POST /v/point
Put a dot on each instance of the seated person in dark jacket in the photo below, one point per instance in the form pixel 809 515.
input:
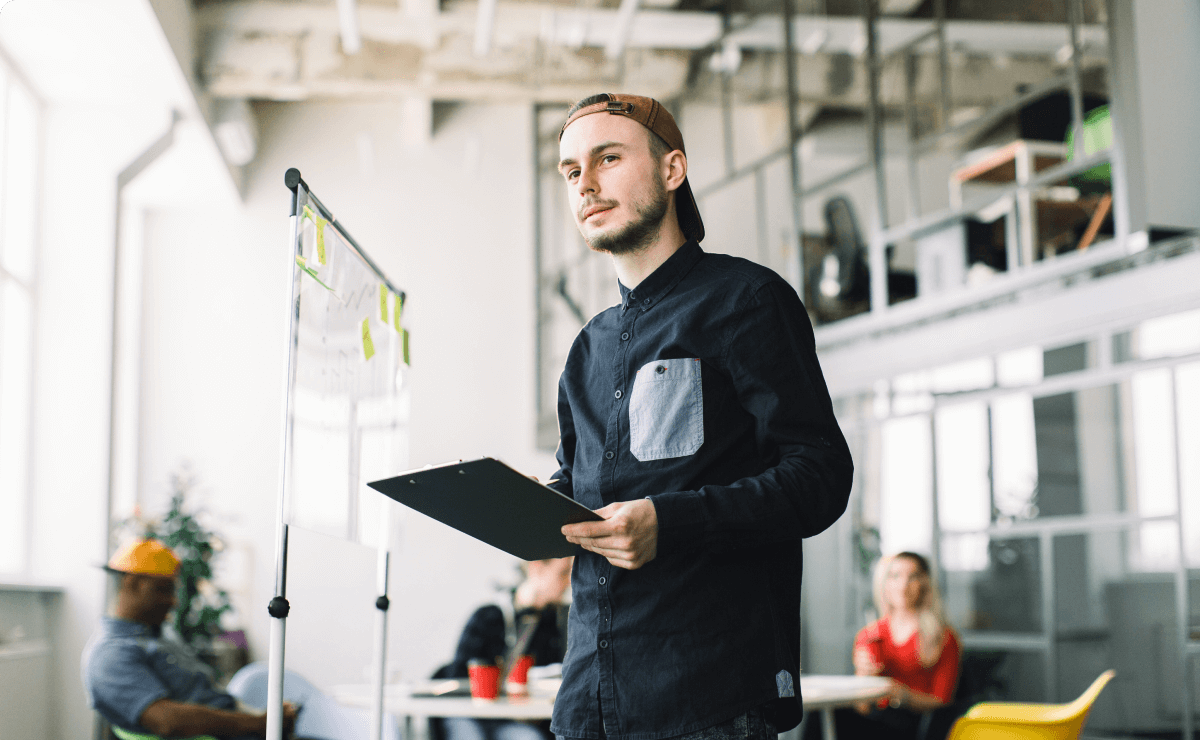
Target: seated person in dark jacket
pixel 540 618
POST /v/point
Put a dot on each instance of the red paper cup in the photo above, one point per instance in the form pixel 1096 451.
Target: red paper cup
pixel 485 680
pixel 518 677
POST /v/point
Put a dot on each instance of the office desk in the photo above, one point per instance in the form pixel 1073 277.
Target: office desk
pixel 821 693
pixel 826 693
pixel 414 711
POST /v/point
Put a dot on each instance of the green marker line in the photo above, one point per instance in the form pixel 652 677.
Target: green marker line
pixel 404 346
pixel 368 345
pixel 383 294
pixel 399 309
pixel 313 274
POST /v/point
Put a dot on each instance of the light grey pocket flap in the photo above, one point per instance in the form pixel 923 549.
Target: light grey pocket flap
pixel 666 410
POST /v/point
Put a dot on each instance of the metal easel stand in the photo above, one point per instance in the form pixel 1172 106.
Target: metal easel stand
pixel 381 624
pixel 278 607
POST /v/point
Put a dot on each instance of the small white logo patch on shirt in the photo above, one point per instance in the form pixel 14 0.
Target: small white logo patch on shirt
pixel 783 681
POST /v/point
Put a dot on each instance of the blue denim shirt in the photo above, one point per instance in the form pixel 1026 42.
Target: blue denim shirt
pixel 702 392
pixel 127 666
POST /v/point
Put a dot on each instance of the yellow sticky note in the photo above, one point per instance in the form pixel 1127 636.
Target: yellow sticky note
pixel 368 345
pixel 397 310
pixel 320 224
pixel 383 294
pixel 404 345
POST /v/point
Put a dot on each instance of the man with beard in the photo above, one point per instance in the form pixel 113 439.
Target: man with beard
pixel 695 420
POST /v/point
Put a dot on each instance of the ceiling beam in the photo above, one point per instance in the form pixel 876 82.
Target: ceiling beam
pixel 551 53
pixel 348 23
pixel 620 33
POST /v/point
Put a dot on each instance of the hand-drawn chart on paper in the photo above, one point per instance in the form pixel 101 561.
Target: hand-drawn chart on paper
pixel 349 404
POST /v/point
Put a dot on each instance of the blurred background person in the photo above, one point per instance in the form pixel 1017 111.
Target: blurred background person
pixel 144 682
pixel 539 621
pixel 910 643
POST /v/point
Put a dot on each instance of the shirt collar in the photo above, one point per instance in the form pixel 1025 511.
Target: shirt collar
pixel 125 628
pixel 663 278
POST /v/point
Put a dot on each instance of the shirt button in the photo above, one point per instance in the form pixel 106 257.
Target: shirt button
pixel 603 580
pixel 603 644
pixel 609 455
pixel 624 336
pixel 618 394
pixel 646 302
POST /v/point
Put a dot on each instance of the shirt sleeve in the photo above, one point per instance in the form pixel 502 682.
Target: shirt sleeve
pixel 870 639
pixel 945 671
pixel 565 455
pixel 122 684
pixel 772 363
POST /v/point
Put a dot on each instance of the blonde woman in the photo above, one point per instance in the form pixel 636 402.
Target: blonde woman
pixel 911 644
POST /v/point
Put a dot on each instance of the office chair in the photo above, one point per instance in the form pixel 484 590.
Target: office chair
pixel 1016 721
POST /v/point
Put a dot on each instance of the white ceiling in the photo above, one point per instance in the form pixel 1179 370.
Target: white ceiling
pixel 92 51
pixel 110 54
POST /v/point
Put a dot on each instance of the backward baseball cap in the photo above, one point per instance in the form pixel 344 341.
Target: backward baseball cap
pixel 651 114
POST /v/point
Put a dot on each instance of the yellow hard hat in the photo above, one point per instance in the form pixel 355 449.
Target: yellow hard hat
pixel 144 557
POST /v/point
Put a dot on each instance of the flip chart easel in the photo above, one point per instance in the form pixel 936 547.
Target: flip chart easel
pixel 346 361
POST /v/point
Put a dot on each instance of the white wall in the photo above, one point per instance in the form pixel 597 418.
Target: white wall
pixel 74 324
pixel 451 224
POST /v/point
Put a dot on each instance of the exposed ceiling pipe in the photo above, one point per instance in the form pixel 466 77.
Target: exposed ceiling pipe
pixel 485 19
pixel 348 22
pixel 624 24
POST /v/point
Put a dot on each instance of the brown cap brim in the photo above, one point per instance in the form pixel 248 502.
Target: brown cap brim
pixel 688 213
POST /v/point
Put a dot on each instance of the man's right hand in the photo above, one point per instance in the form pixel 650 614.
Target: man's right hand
pixel 290 711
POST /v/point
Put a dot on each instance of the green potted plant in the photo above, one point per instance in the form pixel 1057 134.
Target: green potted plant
pixel 200 602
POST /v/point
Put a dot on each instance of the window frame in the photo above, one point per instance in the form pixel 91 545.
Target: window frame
pixel 13 76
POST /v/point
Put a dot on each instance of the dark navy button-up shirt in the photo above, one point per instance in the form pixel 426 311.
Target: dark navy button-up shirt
pixel 702 392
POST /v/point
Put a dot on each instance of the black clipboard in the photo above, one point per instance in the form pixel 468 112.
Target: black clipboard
pixel 493 503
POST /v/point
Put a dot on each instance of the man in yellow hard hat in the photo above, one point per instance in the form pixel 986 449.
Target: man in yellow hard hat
pixel 143 683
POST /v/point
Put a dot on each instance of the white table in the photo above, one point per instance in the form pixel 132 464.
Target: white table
pixel 826 693
pixel 821 693
pixel 416 710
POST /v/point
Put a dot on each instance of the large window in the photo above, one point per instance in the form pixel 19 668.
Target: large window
pixel 1058 490
pixel 19 148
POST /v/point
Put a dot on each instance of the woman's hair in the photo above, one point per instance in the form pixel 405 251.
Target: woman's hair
pixel 931 618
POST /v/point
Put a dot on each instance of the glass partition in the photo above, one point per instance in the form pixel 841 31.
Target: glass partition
pixel 1004 595
pixel 1053 487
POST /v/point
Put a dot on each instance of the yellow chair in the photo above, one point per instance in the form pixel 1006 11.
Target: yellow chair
pixel 1012 721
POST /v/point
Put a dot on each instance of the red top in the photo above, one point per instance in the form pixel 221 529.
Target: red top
pixel 902 662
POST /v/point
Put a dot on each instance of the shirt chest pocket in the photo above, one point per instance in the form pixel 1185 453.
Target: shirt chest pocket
pixel 666 410
pixel 175 669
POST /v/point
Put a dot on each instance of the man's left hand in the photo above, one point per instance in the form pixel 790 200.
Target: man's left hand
pixel 627 538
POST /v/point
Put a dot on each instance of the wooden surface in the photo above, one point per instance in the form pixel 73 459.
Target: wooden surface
pixel 1000 165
